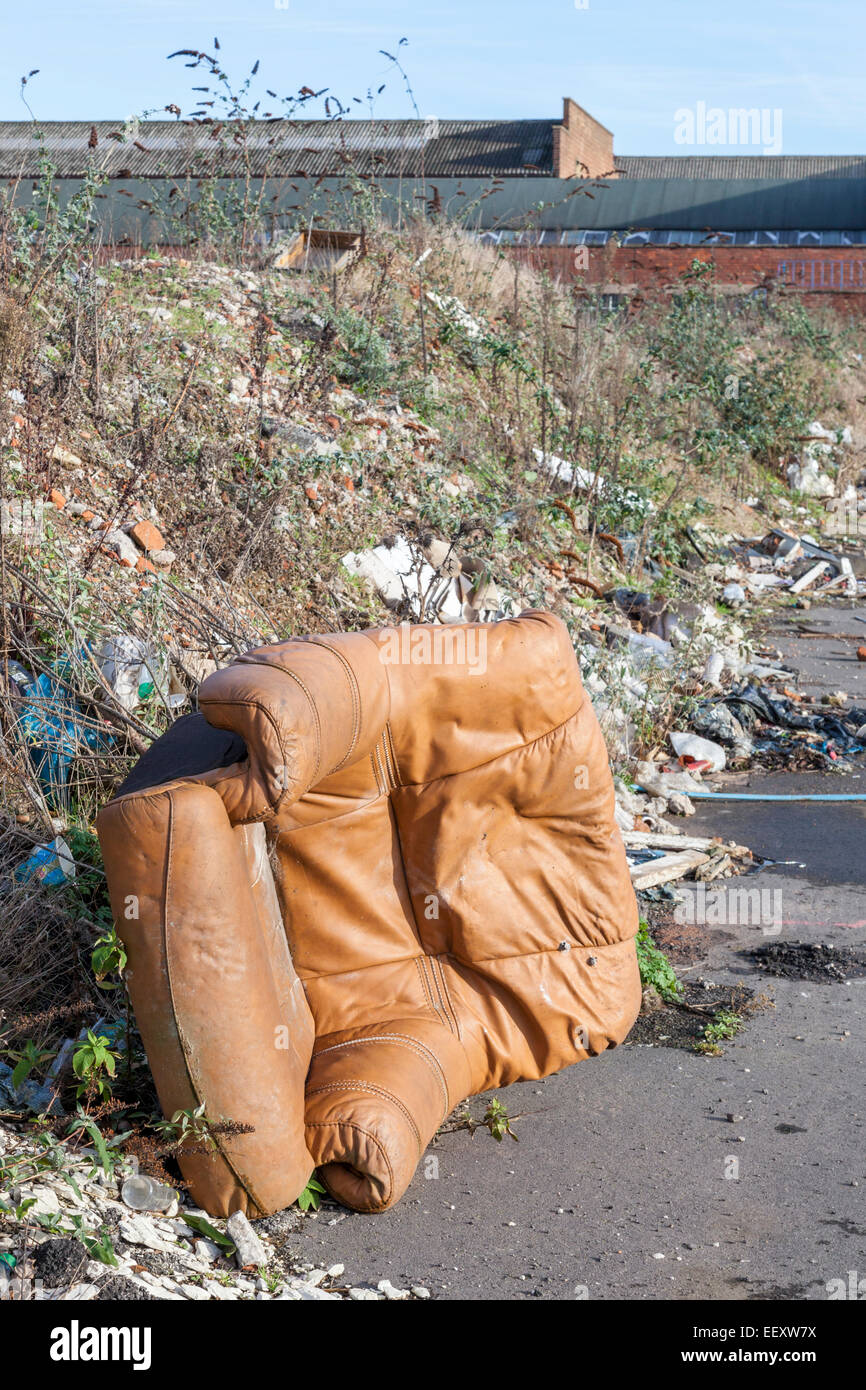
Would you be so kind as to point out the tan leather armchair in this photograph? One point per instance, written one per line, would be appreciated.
(383, 875)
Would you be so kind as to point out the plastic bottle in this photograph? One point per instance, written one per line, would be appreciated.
(146, 1194)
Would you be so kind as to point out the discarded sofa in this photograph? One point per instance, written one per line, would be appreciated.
(378, 873)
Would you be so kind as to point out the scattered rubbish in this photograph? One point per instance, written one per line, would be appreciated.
(810, 476)
(133, 670)
(451, 589)
(758, 724)
(406, 581)
(20, 677)
(647, 649)
(698, 749)
(664, 784)
(654, 615)
(734, 594)
(581, 479)
(797, 563)
(658, 858)
(142, 1193)
(456, 313)
(30, 1094)
(51, 864)
(654, 840)
(720, 721)
(52, 725)
(810, 577)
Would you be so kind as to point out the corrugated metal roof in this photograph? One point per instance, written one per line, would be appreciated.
(391, 149)
(282, 149)
(742, 166)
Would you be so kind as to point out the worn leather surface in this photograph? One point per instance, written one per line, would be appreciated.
(453, 898)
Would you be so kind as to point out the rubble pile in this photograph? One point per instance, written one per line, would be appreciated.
(79, 1237)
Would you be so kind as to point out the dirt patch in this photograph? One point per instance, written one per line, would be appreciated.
(820, 962)
(60, 1262)
(683, 1023)
(686, 943)
(118, 1288)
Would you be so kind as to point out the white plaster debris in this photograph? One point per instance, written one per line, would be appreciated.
(161, 1255)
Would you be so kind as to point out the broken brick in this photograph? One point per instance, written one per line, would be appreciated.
(145, 535)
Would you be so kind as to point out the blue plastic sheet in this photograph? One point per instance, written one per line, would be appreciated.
(56, 732)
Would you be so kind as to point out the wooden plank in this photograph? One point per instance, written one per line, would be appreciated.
(672, 866)
(642, 839)
(809, 578)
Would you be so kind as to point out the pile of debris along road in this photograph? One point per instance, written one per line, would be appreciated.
(737, 700)
(90, 1228)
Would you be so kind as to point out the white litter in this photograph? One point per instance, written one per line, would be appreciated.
(693, 746)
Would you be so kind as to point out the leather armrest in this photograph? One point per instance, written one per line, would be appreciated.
(221, 1012)
(304, 708)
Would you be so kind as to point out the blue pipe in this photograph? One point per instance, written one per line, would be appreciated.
(765, 796)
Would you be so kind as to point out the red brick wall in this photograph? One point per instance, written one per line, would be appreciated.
(834, 275)
(581, 145)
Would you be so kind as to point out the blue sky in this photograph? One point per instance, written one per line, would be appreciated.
(631, 64)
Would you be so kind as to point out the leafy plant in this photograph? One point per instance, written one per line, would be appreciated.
(495, 1118)
(204, 1228)
(725, 1025)
(94, 1062)
(361, 354)
(108, 958)
(85, 1124)
(311, 1197)
(98, 1246)
(19, 1210)
(28, 1059)
(186, 1126)
(497, 1121)
(656, 971)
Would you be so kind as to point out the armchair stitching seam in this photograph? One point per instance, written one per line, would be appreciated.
(373, 1089)
(355, 692)
(413, 1044)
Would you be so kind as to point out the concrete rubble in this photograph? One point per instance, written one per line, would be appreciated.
(430, 582)
(43, 1257)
